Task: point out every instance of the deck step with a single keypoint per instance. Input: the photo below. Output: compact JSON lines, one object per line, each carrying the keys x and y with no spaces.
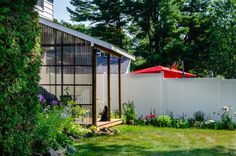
{"x":107,"y":124}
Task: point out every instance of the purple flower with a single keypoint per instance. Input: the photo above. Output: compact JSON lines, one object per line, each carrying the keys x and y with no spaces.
{"x":41,"y":98}
{"x":54,"y":102}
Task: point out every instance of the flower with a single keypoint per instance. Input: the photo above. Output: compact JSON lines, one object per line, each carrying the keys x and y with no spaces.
{"x":211,"y":121}
{"x":41,"y":98}
{"x":47,"y":108}
{"x":226,"y":108}
{"x":150,"y":116}
{"x":54,"y":102}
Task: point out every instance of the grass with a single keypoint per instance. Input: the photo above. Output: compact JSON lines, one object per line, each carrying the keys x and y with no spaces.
{"x":146,"y":140}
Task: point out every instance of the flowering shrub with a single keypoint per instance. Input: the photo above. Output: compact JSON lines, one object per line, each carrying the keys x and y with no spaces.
{"x":226,"y":118}
{"x":41,"y":98}
{"x":198,"y":121}
{"x":55,"y":126}
{"x":210,"y":124}
{"x":47,"y":128}
{"x":150,"y":116}
{"x":150,"y":119}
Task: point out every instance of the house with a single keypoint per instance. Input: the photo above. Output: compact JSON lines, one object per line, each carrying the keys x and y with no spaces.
{"x":69,"y":63}
{"x":45,"y":8}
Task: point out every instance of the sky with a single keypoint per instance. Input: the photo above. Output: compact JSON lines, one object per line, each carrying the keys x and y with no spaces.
{"x":60,"y":12}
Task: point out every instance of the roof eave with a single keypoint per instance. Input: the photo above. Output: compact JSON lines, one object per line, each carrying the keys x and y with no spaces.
{"x":92,"y":40}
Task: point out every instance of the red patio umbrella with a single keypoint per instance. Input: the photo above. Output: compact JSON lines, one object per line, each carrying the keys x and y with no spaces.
{"x":168,"y":73}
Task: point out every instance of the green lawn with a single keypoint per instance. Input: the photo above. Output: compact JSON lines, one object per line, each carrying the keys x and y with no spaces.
{"x":145,"y":140}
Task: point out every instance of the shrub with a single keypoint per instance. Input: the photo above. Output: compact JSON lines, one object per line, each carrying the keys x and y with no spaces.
{"x":150,"y":119}
{"x":55,"y":127}
{"x":163,"y":121}
{"x":19,"y":66}
{"x":140,"y":122}
{"x":191,"y":122}
{"x":218,"y":125}
{"x":198,"y":124}
{"x":48,"y":126}
{"x":181,"y":123}
{"x":209,"y":124}
{"x":115,"y":114}
{"x":199,"y":116}
{"x":226,"y":118}
{"x":129,"y":112}
{"x":76,"y":110}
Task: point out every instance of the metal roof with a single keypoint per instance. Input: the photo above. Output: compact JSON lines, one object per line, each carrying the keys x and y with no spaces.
{"x":94,"y":41}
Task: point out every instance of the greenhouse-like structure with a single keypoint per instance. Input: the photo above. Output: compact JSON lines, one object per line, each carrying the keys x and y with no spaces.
{"x":69,"y":67}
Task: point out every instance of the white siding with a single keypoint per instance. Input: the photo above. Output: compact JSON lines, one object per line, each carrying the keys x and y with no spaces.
{"x":46,"y":11}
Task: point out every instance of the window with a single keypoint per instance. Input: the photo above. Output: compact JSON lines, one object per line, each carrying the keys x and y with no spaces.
{"x":66,"y":63}
{"x":40,"y":3}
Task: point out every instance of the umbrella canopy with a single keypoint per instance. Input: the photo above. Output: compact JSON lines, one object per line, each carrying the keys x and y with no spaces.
{"x":168,"y":73}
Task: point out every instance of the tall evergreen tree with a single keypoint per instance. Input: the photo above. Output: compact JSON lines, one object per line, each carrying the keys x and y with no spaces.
{"x":107,"y":17}
{"x":197,"y":20}
{"x":222,"y":51}
{"x":155,"y":26}
{"x":199,"y":32}
{"x":19,"y":66}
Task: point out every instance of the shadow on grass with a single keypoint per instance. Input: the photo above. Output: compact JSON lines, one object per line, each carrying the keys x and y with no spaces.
{"x":92,"y":149}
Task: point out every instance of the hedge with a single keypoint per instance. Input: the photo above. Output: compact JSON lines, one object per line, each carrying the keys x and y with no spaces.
{"x":19,"y":75}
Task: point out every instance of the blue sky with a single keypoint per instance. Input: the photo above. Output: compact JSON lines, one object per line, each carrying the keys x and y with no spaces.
{"x":60,"y":12}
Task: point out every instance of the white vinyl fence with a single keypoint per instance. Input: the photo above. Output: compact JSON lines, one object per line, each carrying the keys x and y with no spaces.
{"x":153,"y":93}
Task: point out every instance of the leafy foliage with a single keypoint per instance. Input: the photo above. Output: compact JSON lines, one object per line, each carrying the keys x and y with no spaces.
{"x":199,"y":32}
{"x":164,"y":121}
{"x":129,"y":112}
{"x":55,"y":128}
{"x":181,"y":123}
{"x":199,"y":121}
{"x":199,"y":116}
{"x":106,"y":16}
{"x":48,"y":127}
{"x":19,"y":66}
{"x":226,"y":118}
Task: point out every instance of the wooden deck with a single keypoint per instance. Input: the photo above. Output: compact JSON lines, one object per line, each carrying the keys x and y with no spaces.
{"x":100,"y":124}
{"x":107,"y":124}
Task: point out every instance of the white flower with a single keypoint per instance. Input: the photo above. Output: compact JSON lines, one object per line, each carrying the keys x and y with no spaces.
{"x":63,"y":115}
{"x":211,"y":121}
{"x":226,"y":108}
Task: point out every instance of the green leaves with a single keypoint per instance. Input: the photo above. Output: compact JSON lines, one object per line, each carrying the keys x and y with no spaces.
{"x":199,"y":32}
{"x":19,"y":45}
{"x":107,"y":19}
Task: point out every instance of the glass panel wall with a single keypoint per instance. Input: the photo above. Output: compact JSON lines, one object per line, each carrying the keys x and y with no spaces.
{"x":66,"y":68}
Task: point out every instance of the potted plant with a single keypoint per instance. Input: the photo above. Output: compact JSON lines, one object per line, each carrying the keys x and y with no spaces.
{"x":67,"y":97}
